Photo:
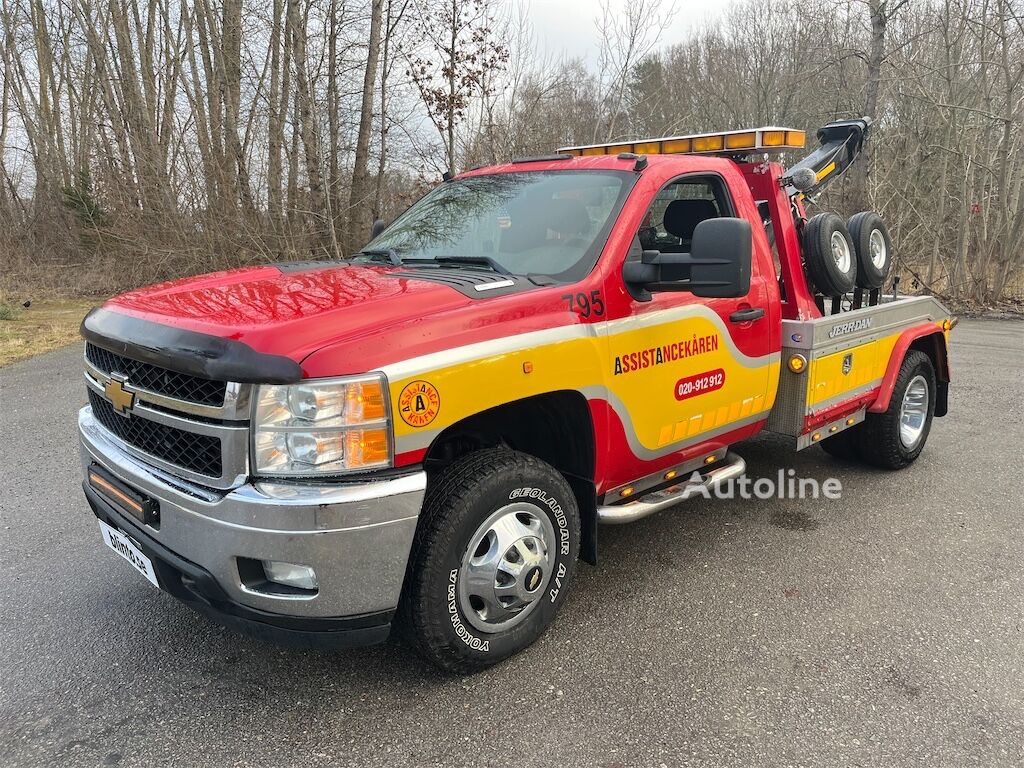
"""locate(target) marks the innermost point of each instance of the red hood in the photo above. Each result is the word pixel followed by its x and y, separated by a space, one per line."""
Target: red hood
pixel 291 313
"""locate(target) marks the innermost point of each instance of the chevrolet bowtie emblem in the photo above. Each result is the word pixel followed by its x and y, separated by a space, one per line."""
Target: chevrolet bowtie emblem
pixel 121 398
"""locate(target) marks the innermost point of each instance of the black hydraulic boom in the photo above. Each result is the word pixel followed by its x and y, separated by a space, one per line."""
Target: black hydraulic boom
pixel 841 144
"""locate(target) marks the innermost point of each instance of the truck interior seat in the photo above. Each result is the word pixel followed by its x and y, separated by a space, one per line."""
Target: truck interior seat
pixel 683 216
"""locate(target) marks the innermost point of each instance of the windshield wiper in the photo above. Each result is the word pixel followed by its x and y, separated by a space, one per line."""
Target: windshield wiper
pixel 477 261
pixel 387 253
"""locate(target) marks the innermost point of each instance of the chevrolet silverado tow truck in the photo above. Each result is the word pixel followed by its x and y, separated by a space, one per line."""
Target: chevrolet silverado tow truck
pixel 428 434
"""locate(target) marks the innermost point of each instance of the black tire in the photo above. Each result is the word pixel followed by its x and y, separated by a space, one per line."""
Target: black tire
pixel 844 446
pixel 467 494
pixel 874 260
pixel 829 276
pixel 879 437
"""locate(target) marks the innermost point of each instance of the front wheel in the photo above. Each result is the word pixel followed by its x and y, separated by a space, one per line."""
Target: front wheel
pixel 895 438
pixel 492 559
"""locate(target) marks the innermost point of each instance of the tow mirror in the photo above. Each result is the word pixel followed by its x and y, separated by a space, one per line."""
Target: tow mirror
pixel 377 227
pixel 717 266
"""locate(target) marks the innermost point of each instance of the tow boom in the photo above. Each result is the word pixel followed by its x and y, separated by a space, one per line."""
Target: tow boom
pixel 841 144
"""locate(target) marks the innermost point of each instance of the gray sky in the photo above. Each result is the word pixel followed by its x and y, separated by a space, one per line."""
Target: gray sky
pixel 567 27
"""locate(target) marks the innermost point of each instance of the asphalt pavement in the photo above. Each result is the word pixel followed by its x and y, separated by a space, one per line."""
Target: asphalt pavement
pixel 881 629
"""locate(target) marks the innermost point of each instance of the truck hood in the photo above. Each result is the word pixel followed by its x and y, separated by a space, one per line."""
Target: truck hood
pixel 289 310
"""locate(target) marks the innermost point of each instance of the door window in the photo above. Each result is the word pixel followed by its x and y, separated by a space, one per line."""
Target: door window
pixel 677 210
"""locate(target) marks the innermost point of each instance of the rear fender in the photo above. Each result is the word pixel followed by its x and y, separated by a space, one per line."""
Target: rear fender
pixel 930 339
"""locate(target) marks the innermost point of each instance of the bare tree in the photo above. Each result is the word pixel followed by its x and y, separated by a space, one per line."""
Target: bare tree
pixel 626 36
pixel 192 134
pixel 461 49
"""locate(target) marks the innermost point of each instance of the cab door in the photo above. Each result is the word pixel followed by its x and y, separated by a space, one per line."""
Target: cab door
pixel 690 374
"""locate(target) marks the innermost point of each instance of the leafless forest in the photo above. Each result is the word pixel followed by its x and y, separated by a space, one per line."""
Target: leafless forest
pixel 150 139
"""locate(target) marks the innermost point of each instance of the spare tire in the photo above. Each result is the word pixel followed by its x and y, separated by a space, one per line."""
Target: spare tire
pixel 829 255
pixel 873 245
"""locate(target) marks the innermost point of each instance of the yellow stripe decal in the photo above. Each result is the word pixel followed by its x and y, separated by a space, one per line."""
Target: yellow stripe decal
pixel 825 171
pixel 633 364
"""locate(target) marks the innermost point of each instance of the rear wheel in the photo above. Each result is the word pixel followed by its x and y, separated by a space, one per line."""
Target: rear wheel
pixel 492 560
pixel 894 439
pixel 873 245
pixel 829 255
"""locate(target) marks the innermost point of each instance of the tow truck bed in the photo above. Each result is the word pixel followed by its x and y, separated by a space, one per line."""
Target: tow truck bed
pixel 845 357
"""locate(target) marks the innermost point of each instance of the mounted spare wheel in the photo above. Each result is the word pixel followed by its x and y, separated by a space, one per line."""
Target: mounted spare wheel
pixel 874 248
pixel 829 255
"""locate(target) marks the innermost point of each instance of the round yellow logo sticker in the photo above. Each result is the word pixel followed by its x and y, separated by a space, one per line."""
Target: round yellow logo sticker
pixel 419 403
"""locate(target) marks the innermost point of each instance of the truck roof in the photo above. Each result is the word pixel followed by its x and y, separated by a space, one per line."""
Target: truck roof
pixel 625 162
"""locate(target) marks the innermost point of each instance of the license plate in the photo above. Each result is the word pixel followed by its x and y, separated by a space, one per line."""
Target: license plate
pixel 121 544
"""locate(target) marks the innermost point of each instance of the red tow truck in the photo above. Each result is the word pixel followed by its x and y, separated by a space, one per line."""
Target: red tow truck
pixel 428 433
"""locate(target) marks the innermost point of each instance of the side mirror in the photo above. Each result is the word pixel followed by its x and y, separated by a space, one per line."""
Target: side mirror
pixel 376 228
pixel 717 266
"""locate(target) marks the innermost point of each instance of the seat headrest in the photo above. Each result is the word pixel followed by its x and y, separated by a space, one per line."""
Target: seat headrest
pixel 683 216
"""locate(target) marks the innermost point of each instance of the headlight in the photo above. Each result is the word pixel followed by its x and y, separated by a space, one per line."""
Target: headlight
pixel 322 427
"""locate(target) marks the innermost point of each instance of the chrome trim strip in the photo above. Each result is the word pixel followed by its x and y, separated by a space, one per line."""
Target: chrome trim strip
pixel 491 286
pixel 732 467
pixel 335 492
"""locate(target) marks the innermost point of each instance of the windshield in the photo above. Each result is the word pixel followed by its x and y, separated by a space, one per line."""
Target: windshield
pixel 550 223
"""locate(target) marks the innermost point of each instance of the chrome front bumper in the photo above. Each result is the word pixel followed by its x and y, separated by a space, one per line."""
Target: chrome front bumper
pixel 356 536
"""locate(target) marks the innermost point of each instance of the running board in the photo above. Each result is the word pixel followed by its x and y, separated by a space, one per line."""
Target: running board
pixel 731 467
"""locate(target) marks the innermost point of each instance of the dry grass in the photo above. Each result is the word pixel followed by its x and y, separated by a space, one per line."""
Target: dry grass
pixel 46 324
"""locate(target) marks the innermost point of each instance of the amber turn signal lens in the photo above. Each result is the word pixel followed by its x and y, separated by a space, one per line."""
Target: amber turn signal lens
pixel 797 363
pixel 364 401
pixel 366 447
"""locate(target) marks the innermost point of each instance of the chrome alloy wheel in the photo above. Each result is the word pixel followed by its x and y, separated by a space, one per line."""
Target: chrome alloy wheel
pixel 841 252
pixel 506 567
pixel 876 246
pixel 914 412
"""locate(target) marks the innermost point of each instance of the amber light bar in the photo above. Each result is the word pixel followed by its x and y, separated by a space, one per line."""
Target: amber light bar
pixel 140 507
pixel 767 139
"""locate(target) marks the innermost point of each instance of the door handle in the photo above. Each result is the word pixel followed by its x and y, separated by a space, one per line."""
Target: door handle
pixel 747 315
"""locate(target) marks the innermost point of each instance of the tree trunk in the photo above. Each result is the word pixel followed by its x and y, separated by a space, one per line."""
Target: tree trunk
pixel 275 128
pixel 359 213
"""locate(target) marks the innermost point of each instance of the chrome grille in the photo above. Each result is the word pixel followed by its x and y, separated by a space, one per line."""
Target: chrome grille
pixel 172 421
pixel 197 453
pixel 180 386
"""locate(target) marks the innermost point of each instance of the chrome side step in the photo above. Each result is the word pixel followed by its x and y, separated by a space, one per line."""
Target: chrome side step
pixel 731 467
